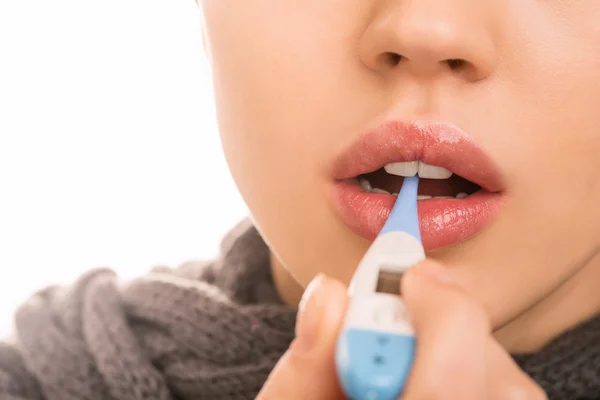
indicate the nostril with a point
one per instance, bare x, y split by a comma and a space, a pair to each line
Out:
392, 59
455, 63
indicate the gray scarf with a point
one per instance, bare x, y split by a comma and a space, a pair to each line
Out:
201, 331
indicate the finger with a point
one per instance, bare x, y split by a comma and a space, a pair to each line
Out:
307, 369
506, 381
452, 333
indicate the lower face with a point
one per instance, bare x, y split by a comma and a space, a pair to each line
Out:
315, 97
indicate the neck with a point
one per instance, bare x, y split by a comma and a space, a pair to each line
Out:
574, 302
288, 288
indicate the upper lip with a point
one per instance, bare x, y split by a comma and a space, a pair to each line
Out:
434, 143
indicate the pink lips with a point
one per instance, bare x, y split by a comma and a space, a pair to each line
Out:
443, 222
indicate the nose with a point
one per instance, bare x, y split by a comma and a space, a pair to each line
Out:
430, 37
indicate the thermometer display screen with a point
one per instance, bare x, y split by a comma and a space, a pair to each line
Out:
389, 282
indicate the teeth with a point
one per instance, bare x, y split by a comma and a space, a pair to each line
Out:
425, 197
403, 168
433, 172
365, 185
412, 168
379, 191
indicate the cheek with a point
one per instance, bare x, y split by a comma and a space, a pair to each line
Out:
279, 115
543, 127
559, 137
546, 100
261, 108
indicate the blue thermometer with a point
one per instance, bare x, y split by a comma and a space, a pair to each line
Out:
376, 347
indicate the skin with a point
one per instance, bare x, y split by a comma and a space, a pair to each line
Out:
297, 81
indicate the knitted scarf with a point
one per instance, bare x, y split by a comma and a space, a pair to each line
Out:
200, 331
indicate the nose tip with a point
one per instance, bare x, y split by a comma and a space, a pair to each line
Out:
429, 40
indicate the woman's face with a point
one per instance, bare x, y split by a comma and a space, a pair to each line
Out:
505, 93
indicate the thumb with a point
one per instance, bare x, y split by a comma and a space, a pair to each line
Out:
307, 369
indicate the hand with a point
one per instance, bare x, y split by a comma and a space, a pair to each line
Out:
456, 356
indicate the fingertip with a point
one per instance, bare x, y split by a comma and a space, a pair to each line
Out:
424, 286
434, 270
426, 272
338, 298
320, 315
337, 288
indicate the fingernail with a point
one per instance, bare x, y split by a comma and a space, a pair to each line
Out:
436, 272
310, 310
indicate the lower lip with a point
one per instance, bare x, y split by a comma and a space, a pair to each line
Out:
443, 222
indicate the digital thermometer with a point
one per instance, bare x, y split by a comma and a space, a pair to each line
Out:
376, 347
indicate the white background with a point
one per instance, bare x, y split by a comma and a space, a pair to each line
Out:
109, 150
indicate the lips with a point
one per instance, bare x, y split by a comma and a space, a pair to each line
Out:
443, 221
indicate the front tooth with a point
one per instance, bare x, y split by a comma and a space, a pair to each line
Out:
444, 197
423, 197
365, 185
461, 195
379, 191
403, 168
432, 172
